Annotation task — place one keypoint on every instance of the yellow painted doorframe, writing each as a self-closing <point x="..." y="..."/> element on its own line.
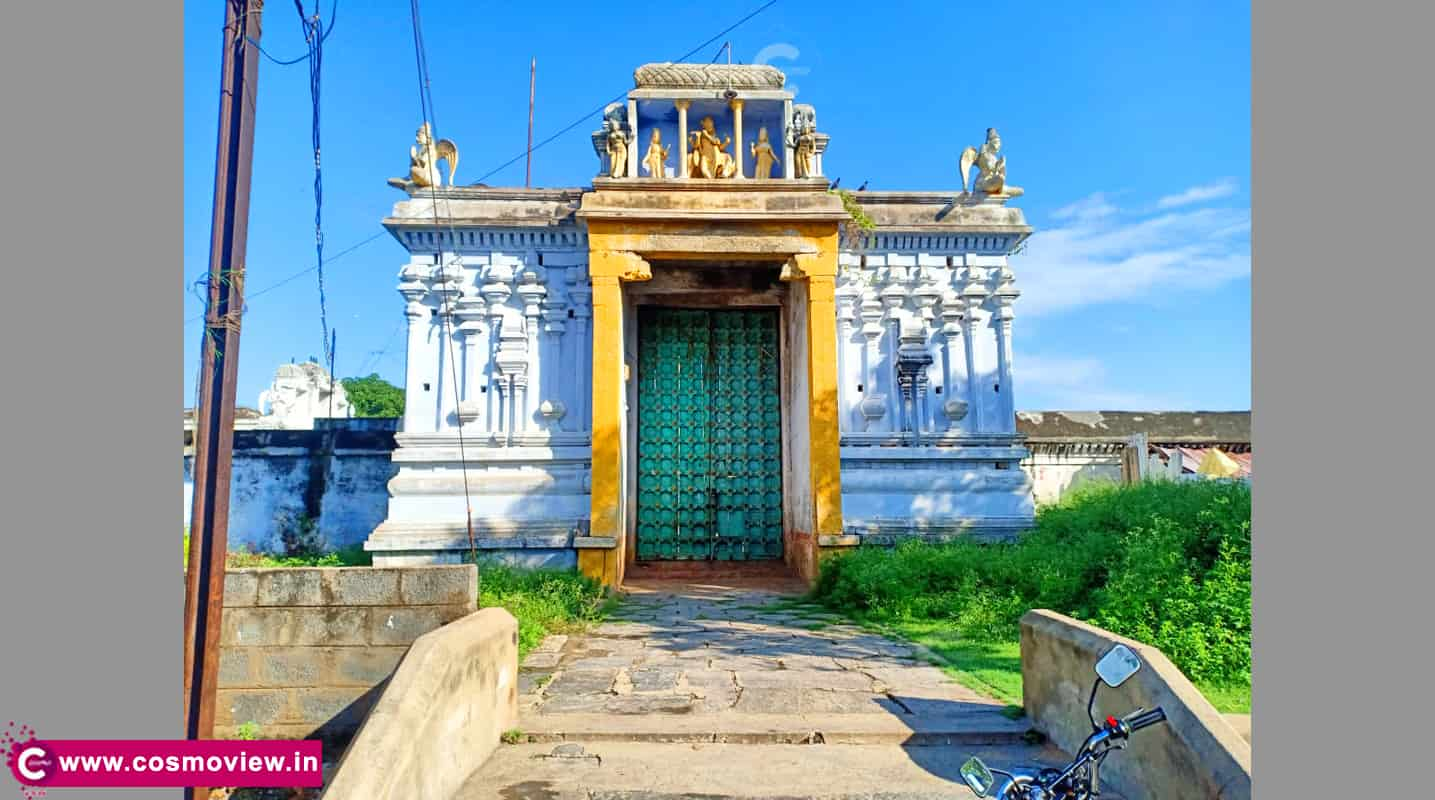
<point x="618" y="253"/>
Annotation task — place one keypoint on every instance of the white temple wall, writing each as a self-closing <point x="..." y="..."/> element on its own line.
<point x="928" y="426"/>
<point x="928" y="442"/>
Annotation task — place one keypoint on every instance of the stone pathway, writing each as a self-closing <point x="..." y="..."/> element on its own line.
<point x="728" y="662"/>
<point x="732" y="690"/>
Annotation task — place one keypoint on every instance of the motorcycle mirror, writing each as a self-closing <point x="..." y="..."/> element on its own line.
<point x="979" y="779"/>
<point x="1117" y="665"/>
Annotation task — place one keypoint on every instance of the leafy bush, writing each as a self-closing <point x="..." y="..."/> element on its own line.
<point x="543" y="601"/>
<point x="1166" y="563"/>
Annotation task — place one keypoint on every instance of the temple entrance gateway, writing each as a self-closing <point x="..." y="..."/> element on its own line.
<point x="710" y="249"/>
<point x="709" y="435"/>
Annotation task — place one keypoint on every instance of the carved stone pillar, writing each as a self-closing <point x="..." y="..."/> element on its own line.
<point x="551" y="408"/>
<point x="1006" y="294"/>
<point x="473" y="401"/>
<point x="973" y="295"/>
<point x="496" y="292"/>
<point x="446" y="286"/>
<point x="893" y="298"/>
<point x="532" y="293"/>
<point x="418" y="406"/>
<point x="737" y="137"/>
<point x="579" y="295"/>
<point x="954" y="362"/>
<point x="632" y="138"/>
<point x="874" y="403"/>
<point x="682" y="106"/>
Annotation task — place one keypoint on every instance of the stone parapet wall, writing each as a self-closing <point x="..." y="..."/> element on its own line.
<point x="440" y="716"/>
<point x="1196" y="754"/>
<point x="304" y="652"/>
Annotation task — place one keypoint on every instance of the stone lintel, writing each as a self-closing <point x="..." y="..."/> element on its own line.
<point x="713" y="201"/>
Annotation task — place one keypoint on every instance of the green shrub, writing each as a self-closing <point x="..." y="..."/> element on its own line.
<point x="543" y="601"/>
<point x="1164" y="562"/>
<point x="352" y="556"/>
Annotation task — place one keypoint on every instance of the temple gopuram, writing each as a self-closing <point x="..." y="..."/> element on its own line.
<point x="709" y="356"/>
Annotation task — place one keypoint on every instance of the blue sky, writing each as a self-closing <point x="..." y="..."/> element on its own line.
<point x="1128" y="124"/>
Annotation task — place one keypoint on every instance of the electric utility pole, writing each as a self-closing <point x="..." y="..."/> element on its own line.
<point x="214" y="418"/>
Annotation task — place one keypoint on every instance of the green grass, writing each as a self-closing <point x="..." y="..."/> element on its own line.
<point x="543" y="601"/>
<point x="1164" y="563"/>
<point x="1228" y="699"/>
<point x="352" y="556"/>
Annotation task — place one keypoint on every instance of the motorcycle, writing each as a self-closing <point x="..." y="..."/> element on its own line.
<point x="1079" y="780"/>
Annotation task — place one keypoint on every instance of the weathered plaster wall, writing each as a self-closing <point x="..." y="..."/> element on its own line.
<point x="1054" y="474"/>
<point x="336" y="474"/>
<point x="304" y="650"/>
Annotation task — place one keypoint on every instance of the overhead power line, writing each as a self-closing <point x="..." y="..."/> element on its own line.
<point x="252" y="295"/>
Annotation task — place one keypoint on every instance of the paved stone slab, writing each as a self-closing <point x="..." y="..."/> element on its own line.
<point x="542" y="660"/>
<point x="804" y="679"/>
<point x="648" y="771"/>
<point x="583" y="681"/>
<point x="701" y="668"/>
<point x="655" y="679"/>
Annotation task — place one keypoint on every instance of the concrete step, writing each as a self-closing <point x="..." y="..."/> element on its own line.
<point x="655" y="771"/>
<point x="978" y="727"/>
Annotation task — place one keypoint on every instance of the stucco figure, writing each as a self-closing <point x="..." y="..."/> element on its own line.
<point x="991" y="168"/>
<point x="299" y="394"/>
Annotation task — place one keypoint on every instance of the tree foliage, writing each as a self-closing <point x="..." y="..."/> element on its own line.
<point x="374" y="397"/>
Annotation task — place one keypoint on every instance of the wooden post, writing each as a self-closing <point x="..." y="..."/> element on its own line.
<point x="214" y="419"/>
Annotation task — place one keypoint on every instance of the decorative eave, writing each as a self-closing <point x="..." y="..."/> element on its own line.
<point x="941" y="223"/>
<point x="486" y="217"/>
<point x="669" y="75"/>
<point x="711" y="200"/>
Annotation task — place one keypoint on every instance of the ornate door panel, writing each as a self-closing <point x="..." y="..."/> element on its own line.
<point x="709" y="434"/>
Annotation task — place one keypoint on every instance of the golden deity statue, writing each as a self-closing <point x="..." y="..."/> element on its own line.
<point x="707" y="158"/>
<point x="656" y="156"/>
<point x="805" y="157"/>
<point x="617" y="150"/>
<point x="424" y="156"/>
<point x="763" y="157"/>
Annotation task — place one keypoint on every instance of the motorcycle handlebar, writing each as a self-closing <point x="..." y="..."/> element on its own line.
<point x="1146" y="719"/>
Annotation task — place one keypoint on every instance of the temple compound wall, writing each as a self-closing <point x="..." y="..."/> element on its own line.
<point x="713" y="362"/>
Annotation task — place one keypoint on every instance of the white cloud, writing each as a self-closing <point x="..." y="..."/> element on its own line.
<point x="1199" y="194"/>
<point x="1095" y="206"/>
<point x="1075" y="384"/>
<point x="1100" y="255"/>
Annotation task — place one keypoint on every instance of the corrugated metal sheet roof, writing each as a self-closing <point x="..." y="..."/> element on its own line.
<point x="1191" y="458"/>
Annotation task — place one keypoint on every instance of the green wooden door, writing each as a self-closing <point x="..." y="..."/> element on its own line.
<point x="709" y="433"/>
